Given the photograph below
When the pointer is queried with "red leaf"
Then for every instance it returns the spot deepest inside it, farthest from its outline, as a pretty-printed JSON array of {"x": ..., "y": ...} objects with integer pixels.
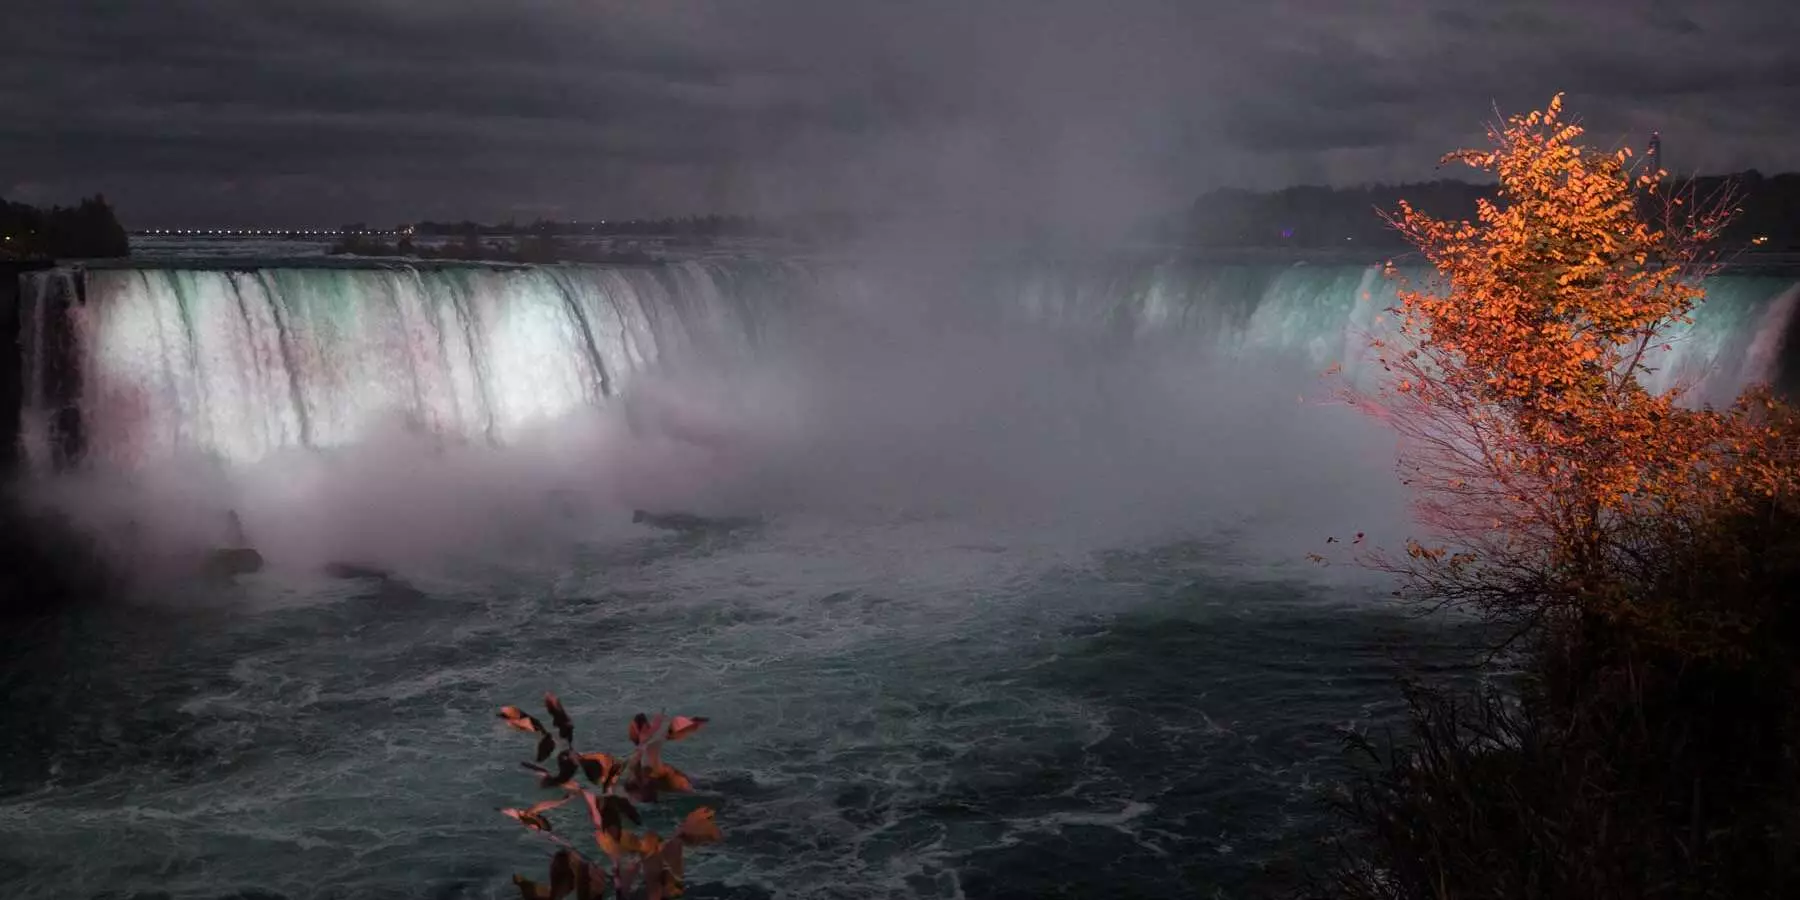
[
  {"x": 545, "y": 806},
  {"x": 529, "y": 819},
  {"x": 670, "y": 779},
  {"x": 701, "y": 827},
  {"x": 566, "y": 767},
  {"x": 622, "y": 805},
  {"x": 591, "y": 885},
  {"x": 642, "y": 790},
  {"x": 683, "y": 726},
  {"x": 610, "y": 825},
  {"x": 654, "y": 877},
  {"x": 565, "y": 770},
  {"x": 560, "y": 717},
  {"x": 565, "y": 870},
  {"x": 608, "y": 844},
  {"x": 521, "y": 720},
  {"x": 530, "y": 890},
  {"x": 672, "y": 862},
  {"x": 601, "y": 769}
]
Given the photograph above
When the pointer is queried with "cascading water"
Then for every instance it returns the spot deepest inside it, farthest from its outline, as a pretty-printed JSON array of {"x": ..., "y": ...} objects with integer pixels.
[
  {"x": 1078, "y": 652},
  {"x": 241, "y": 364},
  {"x": 1327, "y": 314}
]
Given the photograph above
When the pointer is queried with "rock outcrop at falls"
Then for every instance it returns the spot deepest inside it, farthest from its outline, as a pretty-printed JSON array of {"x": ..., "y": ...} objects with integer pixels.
[
  {"x": 88, "y": 230},
  {"x": 12, "y": 366},
  {"x": 44, "y": 564}
]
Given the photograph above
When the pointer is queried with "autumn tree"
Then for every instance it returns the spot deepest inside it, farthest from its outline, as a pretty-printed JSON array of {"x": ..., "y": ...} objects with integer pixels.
[
  {"x": 1644, "y": 549},
  {"x": 1540, "y": 461}
]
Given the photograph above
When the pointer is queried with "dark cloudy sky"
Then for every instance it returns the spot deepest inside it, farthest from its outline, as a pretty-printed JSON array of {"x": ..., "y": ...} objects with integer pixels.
[{"x": 325, "y": 111}]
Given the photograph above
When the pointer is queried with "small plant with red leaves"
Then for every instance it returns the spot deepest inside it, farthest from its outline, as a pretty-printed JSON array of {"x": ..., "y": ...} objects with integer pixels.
[{"x": 636, "y": 863}]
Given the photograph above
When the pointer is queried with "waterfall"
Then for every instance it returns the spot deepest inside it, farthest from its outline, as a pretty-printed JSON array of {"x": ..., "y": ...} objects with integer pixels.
[
  {"x": 125, "y": 366},
  {"x": 241, "y": 364},
  {"x": 1325, "y": 315}
]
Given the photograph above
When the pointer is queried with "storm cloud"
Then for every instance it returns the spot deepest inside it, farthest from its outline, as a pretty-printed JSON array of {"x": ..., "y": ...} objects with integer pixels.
[{"x": 263, "y": 112}]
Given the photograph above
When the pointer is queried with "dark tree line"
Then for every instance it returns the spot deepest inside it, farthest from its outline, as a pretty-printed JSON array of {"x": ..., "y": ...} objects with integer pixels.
[
  {"x": 548, "y": 241},
  {"x": 475, "y": 247},
  {"x": 1321, "y": 217},
  {"x": 686, "y": 226},
  {"x": 87, "y": 230}
]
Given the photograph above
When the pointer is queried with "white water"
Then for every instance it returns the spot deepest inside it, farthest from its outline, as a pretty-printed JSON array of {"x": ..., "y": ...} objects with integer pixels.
[
  {"x": 239, "y": 365},
  {"x": 1030, "y": 611}
]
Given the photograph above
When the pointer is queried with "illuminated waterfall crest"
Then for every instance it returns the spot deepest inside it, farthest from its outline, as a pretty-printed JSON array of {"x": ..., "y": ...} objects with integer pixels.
[
  {"x": 135, "y": 365},
  {"x": 240, "y": 364}
]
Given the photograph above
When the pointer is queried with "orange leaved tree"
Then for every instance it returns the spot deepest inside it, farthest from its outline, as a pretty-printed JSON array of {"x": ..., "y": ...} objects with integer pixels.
[
  {"x": 1647, "y": 547},
  {"x": 1541, "y": 463}
]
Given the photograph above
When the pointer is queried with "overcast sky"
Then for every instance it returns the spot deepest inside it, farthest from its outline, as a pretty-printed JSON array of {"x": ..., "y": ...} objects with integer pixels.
[{"x": 326, "y": 111}]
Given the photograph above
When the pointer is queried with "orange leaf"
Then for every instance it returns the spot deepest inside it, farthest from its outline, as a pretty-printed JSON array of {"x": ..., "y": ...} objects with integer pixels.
[
  {"x": 682, "y": 726},
  {"x": 669, "y": 778},
  {"x": 560, "y": 717},
  {"x": 700, "y": 827},
  {"x": 531, "y": 890},
  {"x": 518, "y": 718}
]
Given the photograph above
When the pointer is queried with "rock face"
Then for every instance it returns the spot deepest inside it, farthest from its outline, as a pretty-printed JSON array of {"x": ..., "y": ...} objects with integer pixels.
[
  {"x": 45, "y": 565},
  {"x": 11, "y": 364}
]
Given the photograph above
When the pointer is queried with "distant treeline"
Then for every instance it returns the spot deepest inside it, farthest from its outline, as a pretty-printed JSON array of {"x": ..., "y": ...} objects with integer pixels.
[
  {"x": 87, "y": 230},
  {"x": 687, "y": 226},
  {"x": 1310, "y": 217},
  {"x": 692, "y": 227},
  {"x": 620, "y": 241},
  {"x": 1317, "y": 217},
  {"x": 475, "y": 246}
]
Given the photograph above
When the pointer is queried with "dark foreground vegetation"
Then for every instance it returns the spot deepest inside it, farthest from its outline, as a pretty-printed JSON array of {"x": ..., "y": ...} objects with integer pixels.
[
  {"x": 87, "y": 230},
  {"x": 1643, "y": 557}
]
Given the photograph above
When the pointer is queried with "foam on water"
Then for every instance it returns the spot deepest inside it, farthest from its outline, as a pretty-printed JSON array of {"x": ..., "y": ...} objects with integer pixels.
[{"x": 896, "y": 712}]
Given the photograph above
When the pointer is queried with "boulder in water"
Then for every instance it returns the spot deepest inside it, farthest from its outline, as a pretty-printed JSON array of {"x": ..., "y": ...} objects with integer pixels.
[
  {"x": 350, "y": 570},
  {"x": 229, "y": 561},
  {"x": 688, "y": 523}
]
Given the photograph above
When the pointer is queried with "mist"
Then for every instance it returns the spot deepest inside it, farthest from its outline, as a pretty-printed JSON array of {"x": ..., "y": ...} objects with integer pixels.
[{"x": 900, "y": 400}]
